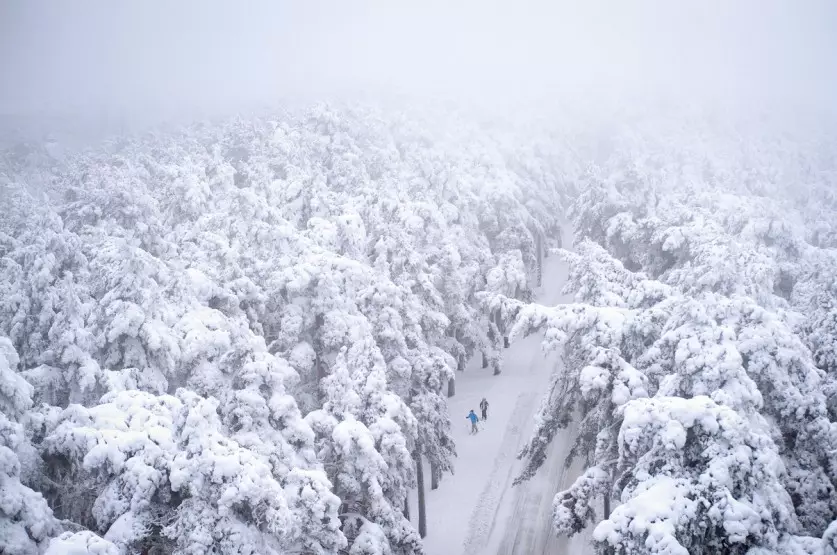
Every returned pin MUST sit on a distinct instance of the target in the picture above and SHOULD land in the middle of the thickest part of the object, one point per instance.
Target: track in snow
(483, 518)
(528, 525)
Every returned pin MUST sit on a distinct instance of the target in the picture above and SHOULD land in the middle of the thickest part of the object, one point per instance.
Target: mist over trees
(696, 352)
(245, 254)
(240, 338)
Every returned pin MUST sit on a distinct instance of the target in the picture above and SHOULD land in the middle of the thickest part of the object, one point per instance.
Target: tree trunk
(607, 504)
(321, 373)
(320, 366)
(407, 508)
(434, 476)
(484, 360)
(496, 369)
(540, 260)
(421, 507)
(452, 387)
(609, 550)
(498, 321)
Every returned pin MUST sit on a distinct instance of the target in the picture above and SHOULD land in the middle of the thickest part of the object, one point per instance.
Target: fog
(160, 60)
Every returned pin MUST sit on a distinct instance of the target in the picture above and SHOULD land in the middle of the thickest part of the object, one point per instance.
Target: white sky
(163, 58)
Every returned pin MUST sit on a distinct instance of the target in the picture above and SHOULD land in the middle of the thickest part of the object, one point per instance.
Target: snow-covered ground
(477, 510)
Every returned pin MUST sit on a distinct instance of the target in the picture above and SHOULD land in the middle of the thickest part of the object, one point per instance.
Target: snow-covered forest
(242, 336)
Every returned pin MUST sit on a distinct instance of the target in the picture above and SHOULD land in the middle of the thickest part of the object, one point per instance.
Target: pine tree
(26, 521)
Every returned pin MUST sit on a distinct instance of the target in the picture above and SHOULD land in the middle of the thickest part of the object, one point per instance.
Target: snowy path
(477, 510)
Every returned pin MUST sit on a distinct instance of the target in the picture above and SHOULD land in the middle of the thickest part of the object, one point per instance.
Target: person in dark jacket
(472, 416)
(484, 408)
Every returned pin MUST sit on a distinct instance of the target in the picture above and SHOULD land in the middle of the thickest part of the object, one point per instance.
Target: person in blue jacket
(472, 416)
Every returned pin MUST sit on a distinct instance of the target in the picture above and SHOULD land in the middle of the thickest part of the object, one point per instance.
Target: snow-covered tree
(26, 521)
(80, 543)
(639, 341)
(164, 472)
(361, 436)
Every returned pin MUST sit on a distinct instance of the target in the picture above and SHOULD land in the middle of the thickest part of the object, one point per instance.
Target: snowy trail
(477, 510)
(483, 518)
(462, 512)
(528, 525)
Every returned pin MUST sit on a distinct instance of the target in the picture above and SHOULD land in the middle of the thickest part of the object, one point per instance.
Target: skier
(484, 408)
(472, 416)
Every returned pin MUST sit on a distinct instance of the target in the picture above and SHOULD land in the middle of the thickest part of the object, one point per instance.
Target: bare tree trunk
(498, 321)
(607, 495)
(484, 360)
(460, 367)
(421, 506)
(609, 550)
(607, 504)
(540, 260)
(434, 476)
(407, 508)
(320, 366)
(320, 374)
